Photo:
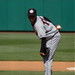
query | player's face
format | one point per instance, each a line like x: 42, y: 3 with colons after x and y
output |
x: 32, y: 19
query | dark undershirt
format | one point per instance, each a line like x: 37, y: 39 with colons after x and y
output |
x: 43, y: 45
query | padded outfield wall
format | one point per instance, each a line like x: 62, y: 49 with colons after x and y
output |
x: 13, y: 13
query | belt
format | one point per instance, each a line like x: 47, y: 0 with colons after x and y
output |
x: 48, y: 38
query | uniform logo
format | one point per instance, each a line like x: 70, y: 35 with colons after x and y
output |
x: 31, y: 11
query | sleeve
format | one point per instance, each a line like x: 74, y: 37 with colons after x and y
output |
x: 47, y: 19
x: 43, y: 45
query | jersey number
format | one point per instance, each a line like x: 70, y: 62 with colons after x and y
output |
x: 44, y: 22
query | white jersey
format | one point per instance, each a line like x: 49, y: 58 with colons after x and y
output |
x: 44, y: 28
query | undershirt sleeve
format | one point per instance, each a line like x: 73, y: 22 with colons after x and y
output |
x: 43, y: 45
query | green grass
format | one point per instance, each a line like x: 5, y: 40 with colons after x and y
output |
x: 65, y: 50
x: 33, y: 73
x: 26, y: 46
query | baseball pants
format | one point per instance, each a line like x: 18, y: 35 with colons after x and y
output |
x: 51, y: 45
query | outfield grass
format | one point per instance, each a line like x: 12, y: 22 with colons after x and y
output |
x: 33, y: 73
x: 26, y: 46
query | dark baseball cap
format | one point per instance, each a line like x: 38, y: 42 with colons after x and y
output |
x: 32, y: 12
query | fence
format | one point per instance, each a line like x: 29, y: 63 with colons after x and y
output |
x: 13, y: 13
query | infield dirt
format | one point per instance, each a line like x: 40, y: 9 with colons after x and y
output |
x: 34, y: 65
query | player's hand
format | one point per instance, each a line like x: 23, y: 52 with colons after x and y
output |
x: 42, y: 54
x: 58, y: 27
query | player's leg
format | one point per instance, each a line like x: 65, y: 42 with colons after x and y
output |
x: 48, y: 60
x: 53, y: 45
x: 48, y: 66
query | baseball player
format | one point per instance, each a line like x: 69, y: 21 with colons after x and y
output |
x: 49, y: 36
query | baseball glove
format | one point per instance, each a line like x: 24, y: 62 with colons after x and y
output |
x: 46, y: 53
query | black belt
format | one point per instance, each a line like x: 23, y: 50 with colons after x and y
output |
x: 54, y: 34
x: 48, y: 38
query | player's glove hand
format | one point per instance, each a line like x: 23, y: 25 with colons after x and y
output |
x: 42, y: 54
x: 46, y: 53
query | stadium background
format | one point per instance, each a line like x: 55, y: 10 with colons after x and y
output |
x: 13, y: 13
x: 25, y: 46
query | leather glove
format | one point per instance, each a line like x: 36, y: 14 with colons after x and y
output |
x: 45, y: 54
x: 42, y: 54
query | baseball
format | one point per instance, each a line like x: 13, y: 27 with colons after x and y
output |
x: 58, y: 27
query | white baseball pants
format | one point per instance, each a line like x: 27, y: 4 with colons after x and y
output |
x: 51, y: 45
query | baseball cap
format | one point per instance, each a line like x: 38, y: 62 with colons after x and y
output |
x: 32, y: 12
